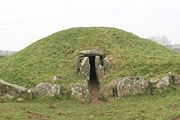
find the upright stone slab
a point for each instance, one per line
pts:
(85, 68)
(99, 67)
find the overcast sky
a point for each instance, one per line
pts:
(22, 22)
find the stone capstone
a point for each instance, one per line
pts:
(92, 53)
(46, 89)
(79, 90)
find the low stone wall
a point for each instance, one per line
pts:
(131, 86)
(137, 85)
(126, 86)
(117, 88)
(11, 91)
(14, 92)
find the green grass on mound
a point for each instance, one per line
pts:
(55, 55)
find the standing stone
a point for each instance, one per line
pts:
(85, 68)
(99, 67)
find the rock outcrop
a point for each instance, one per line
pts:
(159, 85)
(175, 80)
(46, 89)
(11, 91)
(131, 86)
(79, 91)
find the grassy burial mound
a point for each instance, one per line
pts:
(55, 55)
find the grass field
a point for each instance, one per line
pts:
(160, 107)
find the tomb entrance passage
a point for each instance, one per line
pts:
(90, 65)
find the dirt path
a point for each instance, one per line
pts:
(94, 93)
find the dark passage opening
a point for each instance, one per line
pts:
(93, 74)
(94, 83)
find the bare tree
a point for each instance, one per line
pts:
(163, 40)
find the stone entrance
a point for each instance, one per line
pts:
(90, 66)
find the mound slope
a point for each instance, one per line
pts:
(55, 56)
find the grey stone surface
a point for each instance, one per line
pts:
(107, 64)
(175, 80)
(109, 89)
(99, 67)
(128, 86)
(6, 97)
(92, 53)
(159, 85)
(79, 90)
(20, 99)
(85, 68)
(163, 83)
(10, 91)
(46, 89)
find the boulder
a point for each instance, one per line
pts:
(46, 89)
(159, 84)
(11, 91)
(163, 83)
(20, 99)
(176, 80)
(79, 91)
(6, 97)
(131, 86)
(109, 89)
(107, 64)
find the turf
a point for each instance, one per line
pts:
(55, 55)
(160, 107)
